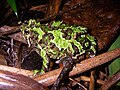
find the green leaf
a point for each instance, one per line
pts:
(115, 65)
(13, 6)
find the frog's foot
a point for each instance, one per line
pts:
(68, 66)
(64, 61)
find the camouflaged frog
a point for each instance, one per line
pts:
(57, 40)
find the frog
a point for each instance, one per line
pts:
(58, 40)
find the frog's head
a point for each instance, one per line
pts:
(30, 31)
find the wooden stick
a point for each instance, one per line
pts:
(111, 81)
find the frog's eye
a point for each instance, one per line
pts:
(26, 31)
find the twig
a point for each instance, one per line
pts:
(50, 77)
(111, 81)
(78, 83)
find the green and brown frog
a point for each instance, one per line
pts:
(57, 40)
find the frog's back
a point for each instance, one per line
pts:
(57, 40)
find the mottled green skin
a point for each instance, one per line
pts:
(57, 40)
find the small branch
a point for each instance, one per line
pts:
(111, 81)
(50, 77)
(78, 83)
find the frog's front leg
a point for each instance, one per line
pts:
(64, 75)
